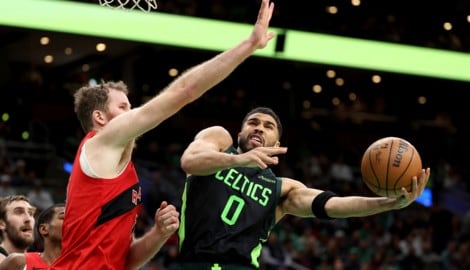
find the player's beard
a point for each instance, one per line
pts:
(55, 239)
(243, 144)
(16, 238)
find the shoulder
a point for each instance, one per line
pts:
(217, 135)
(13, 261)
(213, 131)
(3, 253)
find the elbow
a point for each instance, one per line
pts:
(189, 92)
(293, 204)
(187, 165)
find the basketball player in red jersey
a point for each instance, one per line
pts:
(49, 229)
(103, 194)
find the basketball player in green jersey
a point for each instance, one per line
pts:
(232, 199)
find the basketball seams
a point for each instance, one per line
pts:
(371, 167)
(410, 161)
(388, 168)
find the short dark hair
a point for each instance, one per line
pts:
(46, 216)
(265, 110)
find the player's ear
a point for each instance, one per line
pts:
(2, 225)
(43, 229)
(99, 117)
(277, 144)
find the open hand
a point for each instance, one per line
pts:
(417, 189)
(260, 35)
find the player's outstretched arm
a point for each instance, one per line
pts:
(191, 84)
(307, 202)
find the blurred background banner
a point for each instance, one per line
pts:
(184, 31)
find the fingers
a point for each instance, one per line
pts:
(165, 209)
(270, 10)
(419, 183)
(267, 155)
(265, 11)
(167, 218)
(423, 180)
(163, 204)
(271, 151)
(275, 150)
(264, 162)
(427, 174)
(260, 36)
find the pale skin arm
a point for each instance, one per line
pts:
(109, 145)
(205, 156)
(298, 200)
(144, 249)
(14, 261)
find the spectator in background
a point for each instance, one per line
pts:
(6, 188)
(275, 256)
(39, 196)
(341, 174)
(19, 175)
(273, 253)
(4, 158)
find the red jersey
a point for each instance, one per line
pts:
(34, 261)
(100, 215)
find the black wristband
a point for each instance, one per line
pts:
(318, 205)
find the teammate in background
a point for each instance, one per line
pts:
(49, 234)
(103, 194)
(226, 229)
(16, 224)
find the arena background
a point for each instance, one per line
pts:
(359, 101)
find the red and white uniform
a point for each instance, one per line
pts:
(100, 216)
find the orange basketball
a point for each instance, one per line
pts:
(389, 164)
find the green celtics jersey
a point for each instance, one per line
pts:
(226, 216)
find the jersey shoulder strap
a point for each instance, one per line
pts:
(3, 251)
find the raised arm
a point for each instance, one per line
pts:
(298, 200)
(189, 86)
(205, 155)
